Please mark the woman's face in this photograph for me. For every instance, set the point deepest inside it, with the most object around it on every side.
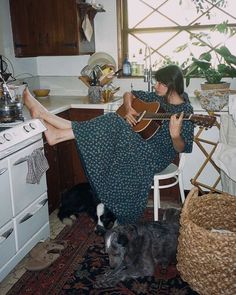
(160, 88)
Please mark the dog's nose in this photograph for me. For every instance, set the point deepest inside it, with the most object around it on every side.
(100, 230)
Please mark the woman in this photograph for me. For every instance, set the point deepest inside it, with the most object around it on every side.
(119, 163)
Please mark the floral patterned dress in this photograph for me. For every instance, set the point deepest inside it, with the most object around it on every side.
(120, 164)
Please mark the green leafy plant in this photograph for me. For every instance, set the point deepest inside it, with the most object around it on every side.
(212, 69)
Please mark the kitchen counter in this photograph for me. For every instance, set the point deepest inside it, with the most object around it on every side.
(57, 104)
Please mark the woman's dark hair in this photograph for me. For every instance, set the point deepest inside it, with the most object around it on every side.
(172, 77)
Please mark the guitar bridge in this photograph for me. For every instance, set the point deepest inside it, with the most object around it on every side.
(141, 116)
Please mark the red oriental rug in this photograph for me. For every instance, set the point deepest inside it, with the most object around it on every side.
(75, 271)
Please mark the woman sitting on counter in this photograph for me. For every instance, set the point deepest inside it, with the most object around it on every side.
(119, 163)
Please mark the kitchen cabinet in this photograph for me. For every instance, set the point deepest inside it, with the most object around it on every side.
(81, 115)
(59, 174)
(65, 168)
(51, 27)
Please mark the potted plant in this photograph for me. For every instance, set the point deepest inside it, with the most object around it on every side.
(212, 69)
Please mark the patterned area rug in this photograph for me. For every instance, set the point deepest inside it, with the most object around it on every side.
(75, 271)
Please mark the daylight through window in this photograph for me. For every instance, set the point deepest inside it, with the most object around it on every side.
(174, 30)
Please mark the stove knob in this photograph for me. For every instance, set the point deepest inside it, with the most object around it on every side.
(32, 125)
(27, 128)
(7, 136)
(2, 139)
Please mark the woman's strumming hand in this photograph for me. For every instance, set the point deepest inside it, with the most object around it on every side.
(131, 114)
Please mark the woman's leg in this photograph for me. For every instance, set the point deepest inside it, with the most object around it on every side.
(55, 135)
(38, 111)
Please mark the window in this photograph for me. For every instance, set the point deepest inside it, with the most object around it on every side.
(169, 25)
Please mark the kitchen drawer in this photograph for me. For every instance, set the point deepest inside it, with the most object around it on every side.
(31, 220)
(5, 195)
(24, 193)
(7, 243)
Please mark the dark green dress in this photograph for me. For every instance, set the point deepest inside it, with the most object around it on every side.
(120, 164)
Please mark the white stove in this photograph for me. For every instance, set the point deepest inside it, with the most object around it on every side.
(24, 219)
(17, 135)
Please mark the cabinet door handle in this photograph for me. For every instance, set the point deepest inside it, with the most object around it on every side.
(37, 208)
(72, 45)
(19, 45)
(3, 170)
(43, 202)
(26, 217)
(5, 235)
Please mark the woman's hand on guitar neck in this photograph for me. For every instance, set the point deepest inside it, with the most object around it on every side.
(175, 127)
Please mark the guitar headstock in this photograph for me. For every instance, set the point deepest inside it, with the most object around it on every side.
(203, 120)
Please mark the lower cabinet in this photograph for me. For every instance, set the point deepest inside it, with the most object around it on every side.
(65, 169)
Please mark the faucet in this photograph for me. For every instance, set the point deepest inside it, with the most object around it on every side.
(148, 68)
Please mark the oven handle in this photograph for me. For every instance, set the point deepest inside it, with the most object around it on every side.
(22, 160)
(38, 207)
(5, 235)
(2, 171)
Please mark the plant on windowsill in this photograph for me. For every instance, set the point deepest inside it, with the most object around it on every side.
(216, 63)
(212, 69)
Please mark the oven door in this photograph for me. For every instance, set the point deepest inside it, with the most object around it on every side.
(24, 193)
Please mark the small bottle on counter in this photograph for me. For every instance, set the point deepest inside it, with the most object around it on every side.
(134, 66)
(140, 63)
(126, 67)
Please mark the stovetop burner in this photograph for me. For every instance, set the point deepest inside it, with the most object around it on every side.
(4, 126)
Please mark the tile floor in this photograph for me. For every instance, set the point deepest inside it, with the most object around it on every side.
(55, 227)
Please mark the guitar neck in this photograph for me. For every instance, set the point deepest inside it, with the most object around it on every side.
(163, 116)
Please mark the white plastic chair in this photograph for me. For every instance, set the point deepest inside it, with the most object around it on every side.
(172, 171)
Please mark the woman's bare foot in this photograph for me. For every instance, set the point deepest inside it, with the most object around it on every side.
(35, 108)
(55, 135)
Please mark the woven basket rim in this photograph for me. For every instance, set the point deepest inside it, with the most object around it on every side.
(187, 221)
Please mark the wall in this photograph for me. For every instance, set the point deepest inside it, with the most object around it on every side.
(61, 73)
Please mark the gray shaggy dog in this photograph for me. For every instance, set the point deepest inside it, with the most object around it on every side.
(135, 250)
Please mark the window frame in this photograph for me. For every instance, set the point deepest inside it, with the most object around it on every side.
(123, 31)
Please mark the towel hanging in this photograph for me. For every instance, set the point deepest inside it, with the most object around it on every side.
(37, 166)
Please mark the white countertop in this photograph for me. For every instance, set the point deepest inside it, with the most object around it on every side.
(58, 104)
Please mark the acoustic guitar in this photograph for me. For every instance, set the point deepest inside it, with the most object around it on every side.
(151, 116)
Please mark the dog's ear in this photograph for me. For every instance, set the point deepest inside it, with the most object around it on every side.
(122, 239)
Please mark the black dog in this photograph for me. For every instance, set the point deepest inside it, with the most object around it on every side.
(135, 250)
(81, 198)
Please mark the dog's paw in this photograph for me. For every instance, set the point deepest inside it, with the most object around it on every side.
(73, 217)
(67, 221)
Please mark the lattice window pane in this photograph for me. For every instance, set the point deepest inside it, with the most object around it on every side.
(164, 25)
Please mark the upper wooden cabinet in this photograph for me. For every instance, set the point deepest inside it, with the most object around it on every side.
(50, 27)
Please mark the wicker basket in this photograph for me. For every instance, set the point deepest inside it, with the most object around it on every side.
(207, 256)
